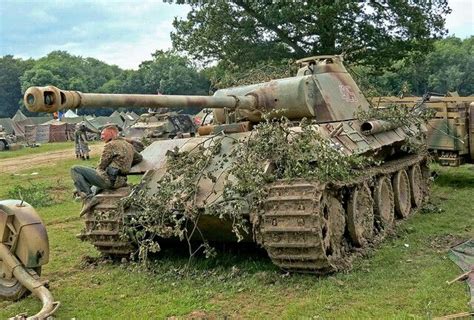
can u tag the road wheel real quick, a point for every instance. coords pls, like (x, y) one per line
(383, 204)
(360, 215)
(416, 184)
(402, 194)
(333, 226)
(3, 145)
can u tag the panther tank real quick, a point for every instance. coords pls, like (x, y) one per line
(305, 225)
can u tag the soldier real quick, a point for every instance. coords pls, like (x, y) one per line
(80, 141)
(111, 172)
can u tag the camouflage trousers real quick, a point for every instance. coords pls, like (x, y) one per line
(85, 178)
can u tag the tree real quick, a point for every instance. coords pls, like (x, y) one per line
(69, 72)
(447, 68)
(170, 73)
(370, 32)
(10, 89)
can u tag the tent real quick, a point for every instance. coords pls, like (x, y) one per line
(70, 114)
(128, 121)
(42, 133)
(115, 114)
(133, 115)
(116, 118)
(19, 127)
(40, 120)
(99, 122)
(19, 116)
(30, 134)
(57, 131)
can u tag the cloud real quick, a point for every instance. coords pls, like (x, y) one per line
(121, 32)
(461, 21)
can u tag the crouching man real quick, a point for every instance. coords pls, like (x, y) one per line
(111, 172)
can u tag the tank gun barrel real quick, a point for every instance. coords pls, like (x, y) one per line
(51, 99)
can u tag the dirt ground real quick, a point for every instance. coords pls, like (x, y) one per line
(12, 165)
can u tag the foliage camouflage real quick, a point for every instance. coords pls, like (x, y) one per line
(172, 211)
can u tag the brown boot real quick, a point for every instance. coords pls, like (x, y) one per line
(79, 195)
(89, 203)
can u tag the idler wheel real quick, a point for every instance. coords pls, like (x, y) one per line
(416, 185)
(384, 205)
(333, 224)
(402, 193)
(360, 215)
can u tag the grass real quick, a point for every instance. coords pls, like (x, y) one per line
(47, 147)
(403, 279)
(44, 148)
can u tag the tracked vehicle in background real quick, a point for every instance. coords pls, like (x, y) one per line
(7, 142)
(305, 225)
(154, 126)
(450, 136)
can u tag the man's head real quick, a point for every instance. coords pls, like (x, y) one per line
(109, 133)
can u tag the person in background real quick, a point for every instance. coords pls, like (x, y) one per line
(81, 142)
(112, 169)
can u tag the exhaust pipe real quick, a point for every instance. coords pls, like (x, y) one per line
(28, 281)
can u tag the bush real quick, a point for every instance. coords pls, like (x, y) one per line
(36, 194)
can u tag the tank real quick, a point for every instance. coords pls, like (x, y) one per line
(154, 126)
(8, 142)
(305, 225)
(450, 136)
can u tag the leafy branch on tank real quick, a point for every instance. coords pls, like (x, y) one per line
(410, 119)
(276, 149)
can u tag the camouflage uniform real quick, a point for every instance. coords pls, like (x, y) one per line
(80, 141)
(118, 155)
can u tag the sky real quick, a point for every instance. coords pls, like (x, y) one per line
(120, 32)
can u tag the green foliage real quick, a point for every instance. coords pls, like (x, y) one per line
(69, 72)
(167, 73)
(10, 91)
(370, 32)
(411, 120)
(231, 75)
(274, 150)
(170, 73)
(446, 68)
(37, 194)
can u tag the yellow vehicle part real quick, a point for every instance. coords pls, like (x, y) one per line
(24, 249)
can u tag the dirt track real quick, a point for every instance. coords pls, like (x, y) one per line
(12, 165)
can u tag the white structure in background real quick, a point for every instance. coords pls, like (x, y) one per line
(70, 114)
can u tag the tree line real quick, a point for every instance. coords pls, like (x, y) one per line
(391, 47)
(166, 72)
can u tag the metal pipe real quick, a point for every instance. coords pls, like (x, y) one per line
(51, 99)
(376, 126)
(32, 284)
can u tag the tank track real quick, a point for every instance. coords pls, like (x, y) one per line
(300, 218)
(103, 224)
